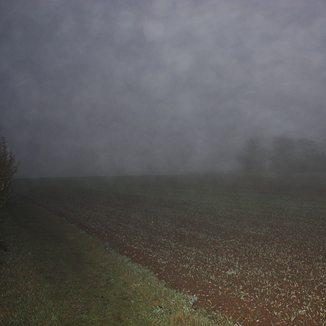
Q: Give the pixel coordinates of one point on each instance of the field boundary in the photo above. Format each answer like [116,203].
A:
[54,274]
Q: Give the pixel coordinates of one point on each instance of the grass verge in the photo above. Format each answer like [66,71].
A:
[51,273]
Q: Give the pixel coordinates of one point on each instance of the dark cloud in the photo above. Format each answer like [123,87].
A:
[156,86]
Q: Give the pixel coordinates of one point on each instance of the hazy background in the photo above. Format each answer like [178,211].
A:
[157,86]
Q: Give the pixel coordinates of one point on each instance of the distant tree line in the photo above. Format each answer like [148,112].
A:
[284,155]
[8,168]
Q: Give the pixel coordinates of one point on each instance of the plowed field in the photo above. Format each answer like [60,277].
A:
[254,253]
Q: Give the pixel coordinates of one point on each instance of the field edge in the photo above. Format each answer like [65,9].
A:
[36,243]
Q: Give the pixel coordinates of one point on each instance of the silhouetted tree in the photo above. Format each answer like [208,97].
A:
[307,154]
[252,158]
[7,169]
[320,160]
[283,155]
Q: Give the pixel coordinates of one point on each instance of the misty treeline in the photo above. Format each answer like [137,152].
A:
[8,168]
[282,155]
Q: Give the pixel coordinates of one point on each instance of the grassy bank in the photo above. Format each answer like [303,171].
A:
[54,274]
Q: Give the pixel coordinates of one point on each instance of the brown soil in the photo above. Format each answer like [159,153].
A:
[262,266]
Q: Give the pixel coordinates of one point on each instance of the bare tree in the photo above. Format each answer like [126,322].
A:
[252,158]
[307,155]
[283,155]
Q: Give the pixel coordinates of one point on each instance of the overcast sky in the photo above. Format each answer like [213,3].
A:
[156,86]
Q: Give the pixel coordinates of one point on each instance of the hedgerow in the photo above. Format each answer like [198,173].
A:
[8,168]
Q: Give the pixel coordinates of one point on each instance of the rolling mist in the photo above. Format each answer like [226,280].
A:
[157,86]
